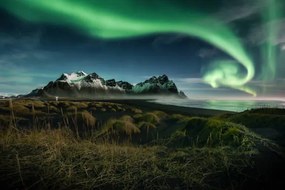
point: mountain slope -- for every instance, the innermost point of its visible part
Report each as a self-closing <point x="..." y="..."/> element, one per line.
<point x="80" y="84"/>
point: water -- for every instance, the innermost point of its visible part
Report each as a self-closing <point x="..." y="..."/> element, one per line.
<point x="228" y="105"/>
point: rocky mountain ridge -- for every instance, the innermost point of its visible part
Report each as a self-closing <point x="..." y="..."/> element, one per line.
<point x="80" y="84"/>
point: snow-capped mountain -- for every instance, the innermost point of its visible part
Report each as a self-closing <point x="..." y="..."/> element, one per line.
<point x="80" y="84"/>
<point x="158" y="85"/>
<point x="154" y="85"/>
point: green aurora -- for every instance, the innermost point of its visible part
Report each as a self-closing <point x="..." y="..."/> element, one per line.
<point x="109" y="19"/>
<point x="272" y="31"/>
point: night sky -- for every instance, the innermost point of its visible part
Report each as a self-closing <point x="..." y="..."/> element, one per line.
<point x="216" y="48"/>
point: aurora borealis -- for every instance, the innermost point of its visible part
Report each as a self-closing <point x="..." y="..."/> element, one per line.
<point x="109" y="20"/>
<point x="272" y="31"/>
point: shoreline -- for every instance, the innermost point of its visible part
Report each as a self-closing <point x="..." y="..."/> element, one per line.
<point x="173" y="109"/>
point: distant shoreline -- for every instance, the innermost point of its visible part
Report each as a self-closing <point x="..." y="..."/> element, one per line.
<point x="173" y="109"/>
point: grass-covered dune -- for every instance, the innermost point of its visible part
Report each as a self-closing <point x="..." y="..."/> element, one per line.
<point x="116" y="145"/>
<point x="269" y="123"/>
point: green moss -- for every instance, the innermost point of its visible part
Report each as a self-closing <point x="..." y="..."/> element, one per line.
<point x="269" y="123"/>
<point x="147" y="117"/>
<point x="211" y="132"/>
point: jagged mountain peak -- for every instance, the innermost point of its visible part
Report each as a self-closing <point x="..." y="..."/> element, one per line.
<point x="72" y="77"/>
<point x="156" y="85"/>
<point x="81" y="84"/>
<point x="94" y="75"/>
<point x="160" y="79"/>
<point x="81" y="73"/>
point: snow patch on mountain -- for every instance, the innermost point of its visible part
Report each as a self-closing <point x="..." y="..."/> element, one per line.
<point x="80" y="84"/>
<point x="73" y="77"/>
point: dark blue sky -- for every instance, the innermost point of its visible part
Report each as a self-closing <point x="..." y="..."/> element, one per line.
<point x="32" y="54"/>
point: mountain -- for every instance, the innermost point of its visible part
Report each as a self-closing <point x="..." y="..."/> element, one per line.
<point x="80" y="84"/>
<point x="5" y="96"/>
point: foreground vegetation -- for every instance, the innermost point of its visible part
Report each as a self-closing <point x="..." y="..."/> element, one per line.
<point x="103" y="145"/>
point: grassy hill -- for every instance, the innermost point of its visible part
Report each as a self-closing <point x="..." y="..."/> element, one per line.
<point x="269" y="123"/>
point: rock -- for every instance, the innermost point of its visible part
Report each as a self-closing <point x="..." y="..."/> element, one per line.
<point x="125" y="85"/>
<point x="111" y="82"/>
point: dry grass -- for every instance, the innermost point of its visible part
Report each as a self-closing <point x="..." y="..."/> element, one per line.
<point x="69" y="147"/>
<point x="88" y="118"/>
<point x="54" y="159"/>
<point x="119" y="129"/>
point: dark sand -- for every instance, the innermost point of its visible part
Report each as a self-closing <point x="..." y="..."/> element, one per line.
<point x="148" y="105"/>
